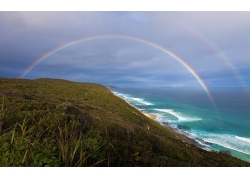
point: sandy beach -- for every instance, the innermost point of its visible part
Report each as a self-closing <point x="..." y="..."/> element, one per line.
<point x="151" y="116"/>
<point x="178" y="135"/>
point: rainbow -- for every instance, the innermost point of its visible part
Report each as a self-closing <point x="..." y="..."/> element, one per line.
<point x="216" y="50"/>
<point x="177" y="58"/>
<point x="210" y="45"/>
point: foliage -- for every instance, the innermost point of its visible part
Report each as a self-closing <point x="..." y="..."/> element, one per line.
<point x="53" y="122"/>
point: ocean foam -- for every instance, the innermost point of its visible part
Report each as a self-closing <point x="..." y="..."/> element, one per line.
<point x="178" y="115"/>
<point x="228" y="141"/>
<point x="193" y="136"/>
<point x="208" y="139"/>
<point x="243" y="139"/>
<point x="123" y="96"/>
<point x="131" y="99"/>
<point x="142" y="101"/>
<point x="188" y="134"/>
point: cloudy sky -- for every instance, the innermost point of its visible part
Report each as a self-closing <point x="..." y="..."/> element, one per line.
<point x="128" y="48"/>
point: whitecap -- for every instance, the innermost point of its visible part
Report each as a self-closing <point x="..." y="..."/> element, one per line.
<point x="243" y="139"/>
<point x="128" y="98"/>
<point x="178" y="115"/>
<point x="142" y="101"/>
<point x="228" y="141"/>
<point x="123" y="96"/>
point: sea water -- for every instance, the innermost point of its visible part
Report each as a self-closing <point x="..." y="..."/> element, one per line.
<point x="221" y="126"/>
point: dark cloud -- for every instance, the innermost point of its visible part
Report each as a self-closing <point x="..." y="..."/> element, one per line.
<point x="201" y="39"/>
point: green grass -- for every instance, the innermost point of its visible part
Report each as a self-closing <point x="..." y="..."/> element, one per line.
<point x="53" y="122"/>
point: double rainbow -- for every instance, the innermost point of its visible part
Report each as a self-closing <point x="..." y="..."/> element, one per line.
<point x="177" y="58"/>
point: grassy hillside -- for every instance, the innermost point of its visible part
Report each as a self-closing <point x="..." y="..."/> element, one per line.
<point x="49" y="122"/>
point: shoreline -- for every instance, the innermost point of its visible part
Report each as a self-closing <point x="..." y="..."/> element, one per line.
<point x="151" y="116"/>
<point x="182" y="137"/>
<point x="178" y="135"/>
<point x="189" y="141"/>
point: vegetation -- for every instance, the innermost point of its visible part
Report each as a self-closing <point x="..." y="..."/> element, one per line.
<point x="49" y="122"/>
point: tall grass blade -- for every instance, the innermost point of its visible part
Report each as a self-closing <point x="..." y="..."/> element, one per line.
<point x="74" y="152"/>
<point x="13" y="135"/>
<point x="25" y="156"/>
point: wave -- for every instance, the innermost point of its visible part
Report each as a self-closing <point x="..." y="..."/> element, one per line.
<point x="243" y="139"/>
<point x="133" y="100"/>
<point x="225" y="140"/>
<point x="178" y="115"/>
<point x="202" y="144"/>
<point x="228" y="141"/>
<point x="142" y="101"/>
<point x="206" y="139"/>
<point x="123" y="96"/>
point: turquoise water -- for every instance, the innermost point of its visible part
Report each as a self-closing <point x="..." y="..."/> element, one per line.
<point x="224" y="126"/>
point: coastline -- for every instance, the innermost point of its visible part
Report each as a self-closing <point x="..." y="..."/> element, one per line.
<point x="151" y="116"/>
<point x="181" y="136"/>
<point x="178" y="135"/>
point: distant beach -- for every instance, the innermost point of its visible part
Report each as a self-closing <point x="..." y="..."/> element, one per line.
<point x="154" y="117"/>
<point x="151" y="116"/>
<point x="181" y="137"/>
<point x="189" y="114"/>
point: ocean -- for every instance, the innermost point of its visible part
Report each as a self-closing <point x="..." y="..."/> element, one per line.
<point x="220" y="126"/>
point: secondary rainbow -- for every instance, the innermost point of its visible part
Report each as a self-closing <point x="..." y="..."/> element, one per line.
<point x="208" y="43"/>
<point x="180" y="60"/>
<point x="219" y="53"/>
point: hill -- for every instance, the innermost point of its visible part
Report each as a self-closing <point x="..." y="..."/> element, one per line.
<point x="53" y="122"/>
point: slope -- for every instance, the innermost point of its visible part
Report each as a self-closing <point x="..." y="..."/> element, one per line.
<point x="54" y="122"/>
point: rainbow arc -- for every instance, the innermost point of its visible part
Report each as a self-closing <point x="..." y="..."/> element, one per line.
<point x="173" y="55"/>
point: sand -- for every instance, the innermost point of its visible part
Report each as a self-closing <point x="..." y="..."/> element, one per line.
<point x="178" y="135"/>
<point x="151" y="116"/>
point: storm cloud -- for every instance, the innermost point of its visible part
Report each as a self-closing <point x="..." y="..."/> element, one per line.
<point x="215" y="45"/>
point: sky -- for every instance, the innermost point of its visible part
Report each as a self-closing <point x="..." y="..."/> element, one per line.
<point x="128" y="48"/>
